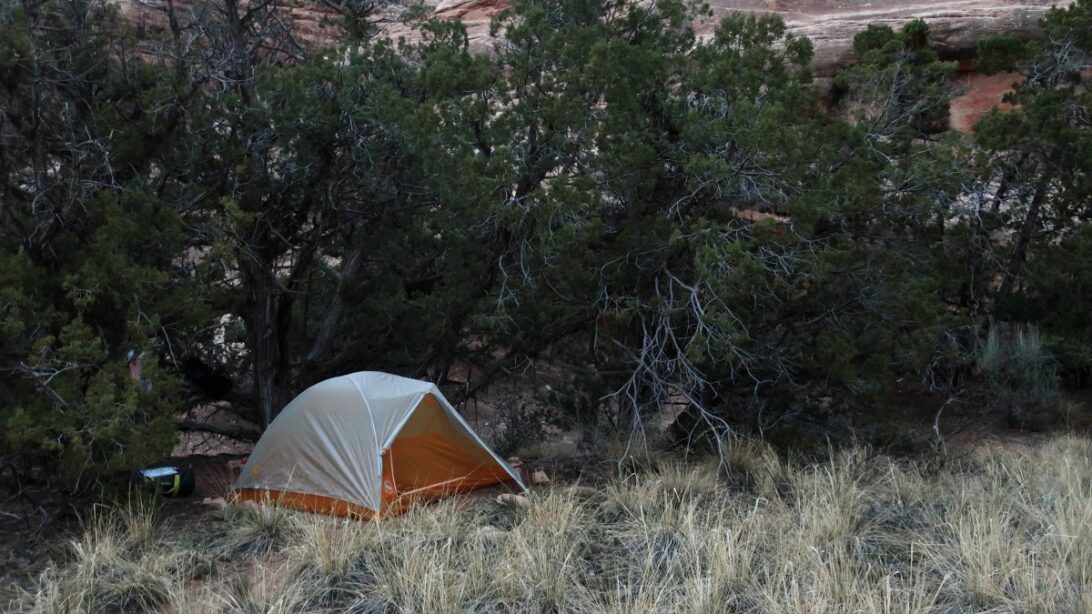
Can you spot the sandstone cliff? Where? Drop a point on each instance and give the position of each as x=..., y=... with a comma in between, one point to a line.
x=957, y=25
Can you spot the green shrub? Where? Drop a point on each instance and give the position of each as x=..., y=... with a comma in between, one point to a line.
x=516, y=425
x=1022, y=376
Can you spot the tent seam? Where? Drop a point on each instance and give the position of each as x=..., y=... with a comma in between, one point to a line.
x=402, y=424
x=375, y=435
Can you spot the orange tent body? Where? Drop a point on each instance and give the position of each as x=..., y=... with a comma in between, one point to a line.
x=368, y=445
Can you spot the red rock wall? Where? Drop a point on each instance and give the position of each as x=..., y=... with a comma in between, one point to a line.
x=980, y=93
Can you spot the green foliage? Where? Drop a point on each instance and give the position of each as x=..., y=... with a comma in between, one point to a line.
x=1021, y=374
x=999, y=53
x=899, y=88
x=622, y=169
x=90, y=255
x=1030, y=231
x=1059, y=296
x=516, y=426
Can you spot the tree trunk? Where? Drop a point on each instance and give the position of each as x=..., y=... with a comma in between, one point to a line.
x=263, y=342
x=327, y=332
x=242, y=65
x=1019, y=255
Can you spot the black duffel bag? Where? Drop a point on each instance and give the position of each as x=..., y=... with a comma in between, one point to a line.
x=167, y=480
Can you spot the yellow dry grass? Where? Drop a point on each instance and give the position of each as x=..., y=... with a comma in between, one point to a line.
x=993, y=532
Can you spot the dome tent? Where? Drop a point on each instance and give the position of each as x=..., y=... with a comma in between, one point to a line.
x=368, y=444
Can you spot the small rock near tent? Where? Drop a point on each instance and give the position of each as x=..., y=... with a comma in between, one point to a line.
x=369, y=445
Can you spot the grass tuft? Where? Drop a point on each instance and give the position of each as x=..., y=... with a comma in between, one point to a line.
x=259, y=529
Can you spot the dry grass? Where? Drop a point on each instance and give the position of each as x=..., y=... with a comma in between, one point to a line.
x=995, y=532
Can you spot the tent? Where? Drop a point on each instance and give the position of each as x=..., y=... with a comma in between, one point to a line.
x=368, y=444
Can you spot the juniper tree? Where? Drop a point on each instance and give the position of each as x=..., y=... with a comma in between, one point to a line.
x=1034, y=161
x=622, y=170
x=89, y=251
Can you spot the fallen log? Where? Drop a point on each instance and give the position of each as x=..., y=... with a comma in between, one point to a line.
x=240, y=432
